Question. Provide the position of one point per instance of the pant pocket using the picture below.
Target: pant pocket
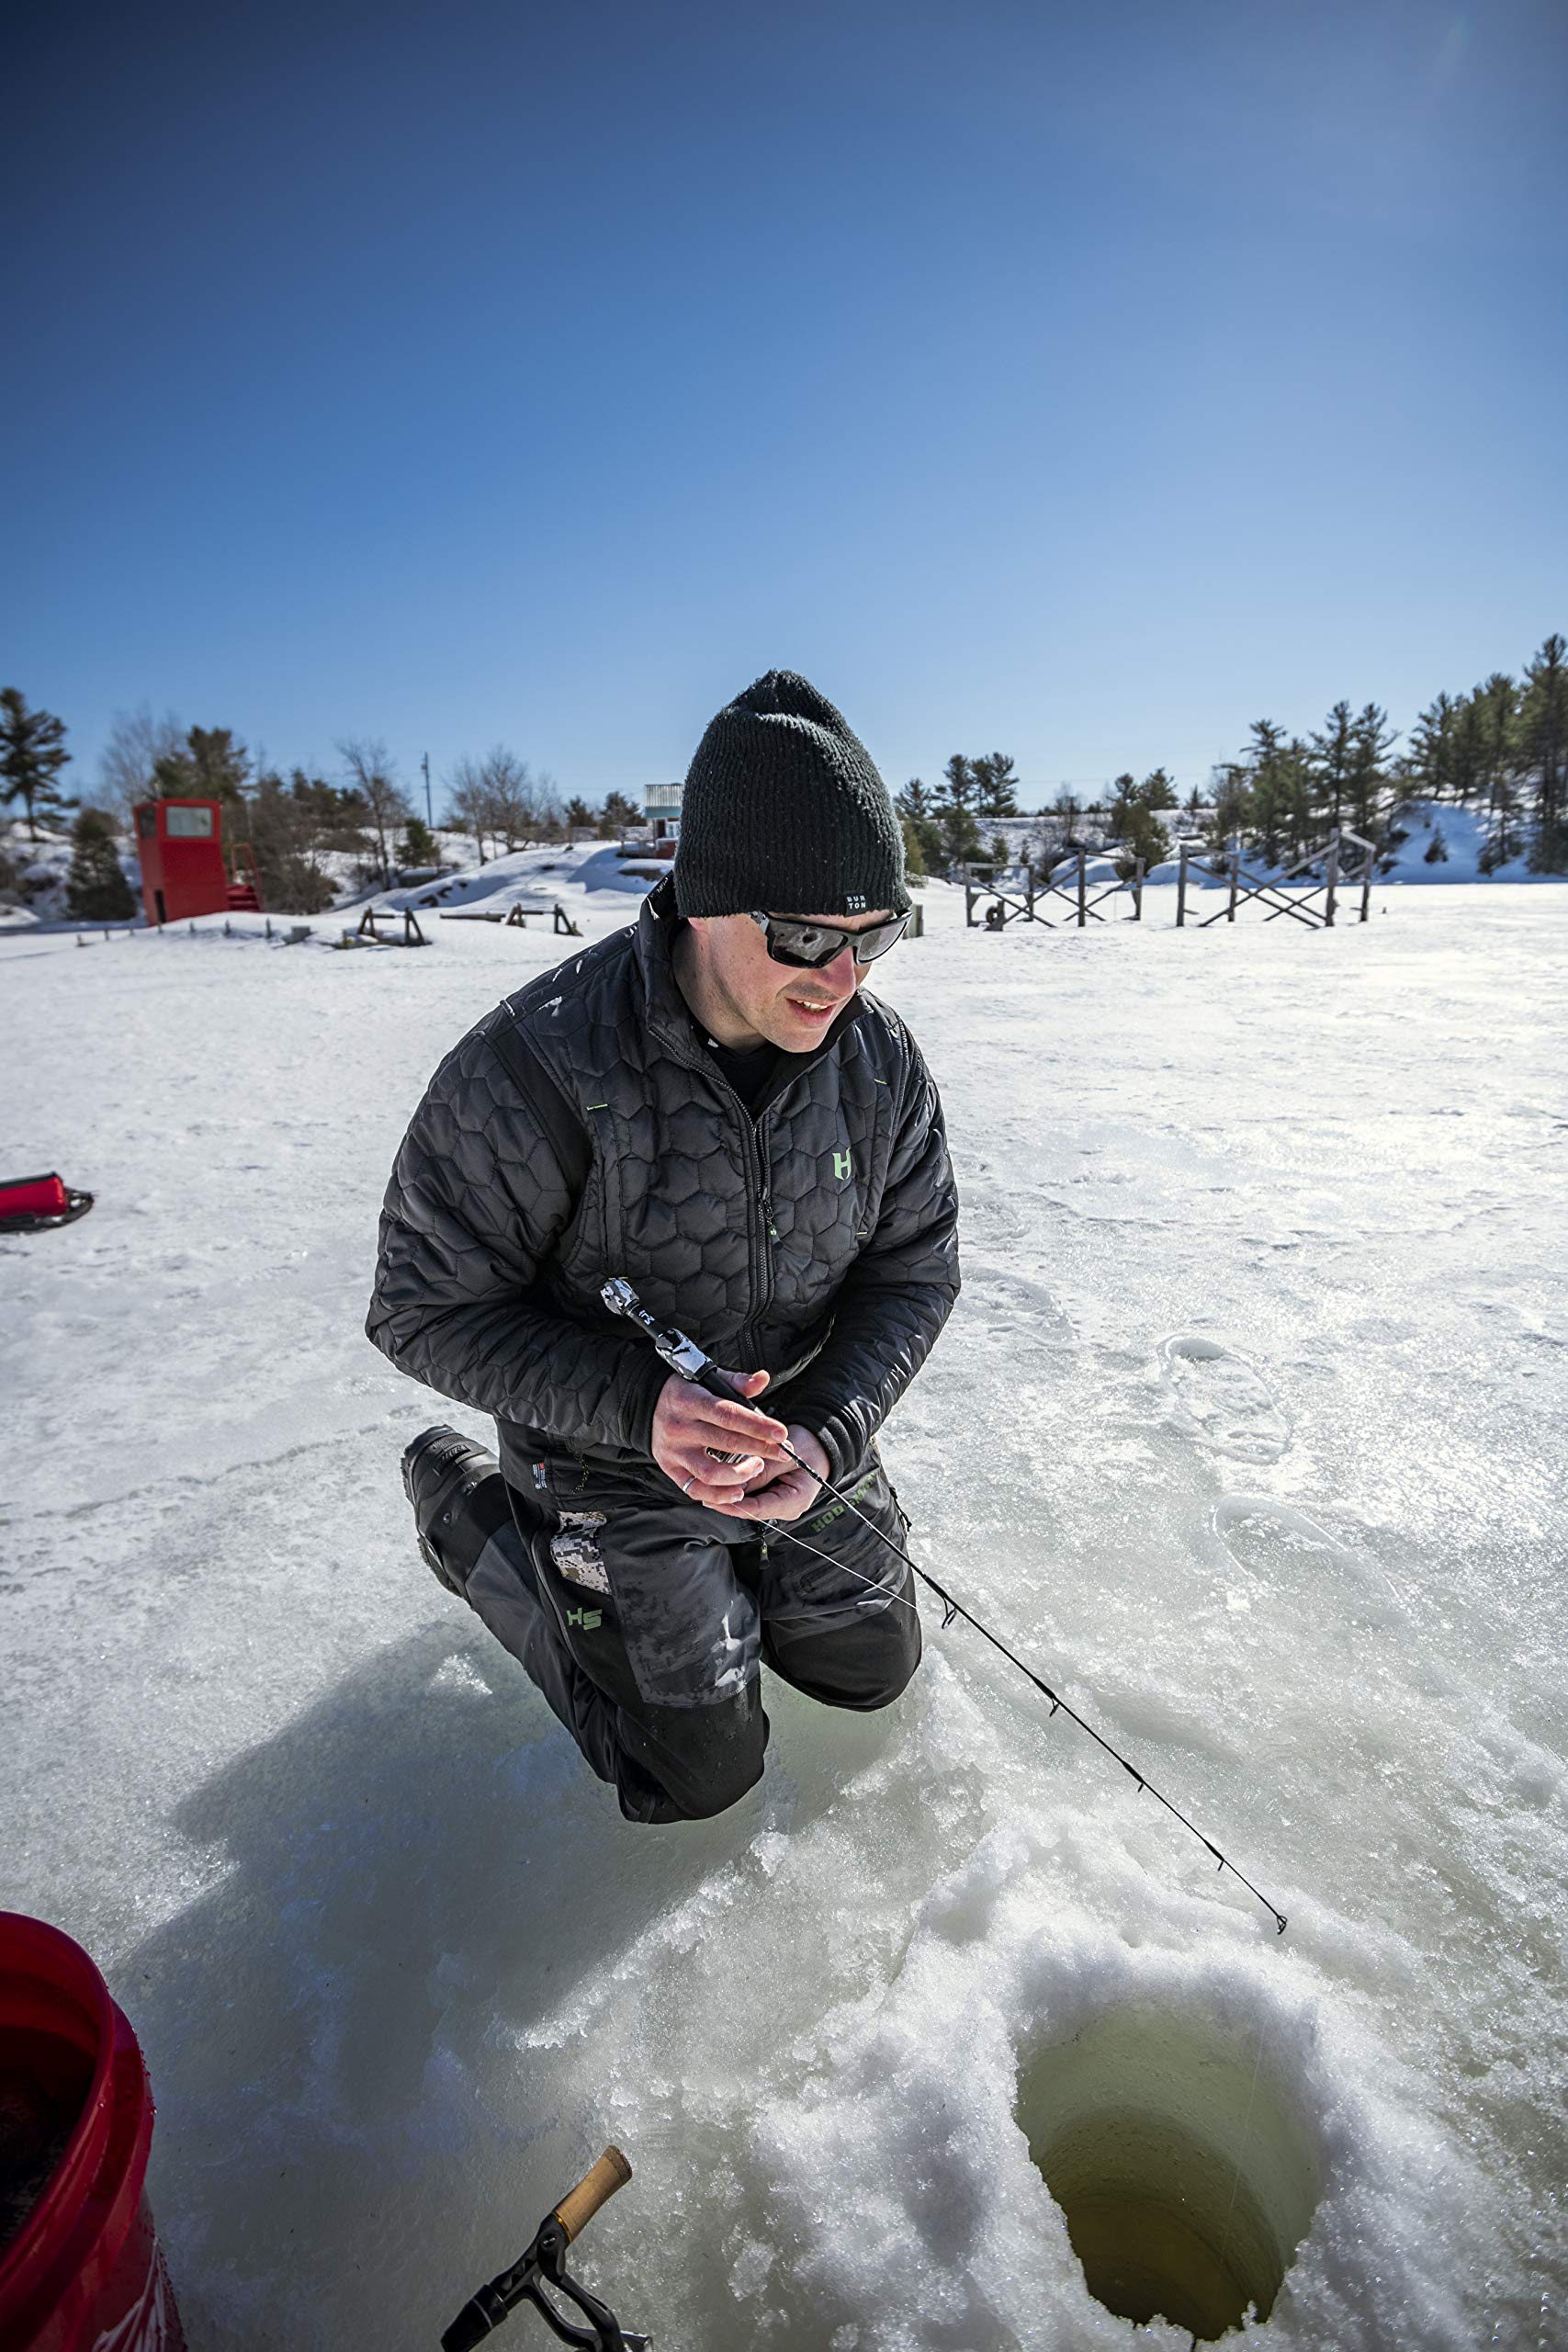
(831, 1569)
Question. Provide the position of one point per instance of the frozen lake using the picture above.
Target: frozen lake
(1249, 1428)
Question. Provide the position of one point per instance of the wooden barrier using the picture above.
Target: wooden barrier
(1009, 906)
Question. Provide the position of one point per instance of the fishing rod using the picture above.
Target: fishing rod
(684, 1357)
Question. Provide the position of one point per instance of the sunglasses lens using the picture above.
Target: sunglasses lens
(809, 945)
(803, 945)
(870, 945)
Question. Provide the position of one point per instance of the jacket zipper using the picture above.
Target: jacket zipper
(759, 1230)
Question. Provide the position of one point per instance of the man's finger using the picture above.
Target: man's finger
(703, 1480)
(785, 1497)
(745, 1466)
(697, 1490)
(734, 1420)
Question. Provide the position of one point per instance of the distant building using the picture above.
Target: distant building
(662, 804)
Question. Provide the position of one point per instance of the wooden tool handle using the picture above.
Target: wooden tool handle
(595, 2189)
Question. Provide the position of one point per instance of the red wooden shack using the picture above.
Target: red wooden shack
(180, 844)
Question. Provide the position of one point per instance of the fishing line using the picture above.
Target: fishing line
(951, 1609)
(686, 1358)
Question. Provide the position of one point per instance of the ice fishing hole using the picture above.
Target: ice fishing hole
(1185, 2183)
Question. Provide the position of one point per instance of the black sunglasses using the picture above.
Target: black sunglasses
(812, 944)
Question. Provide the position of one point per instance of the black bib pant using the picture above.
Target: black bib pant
(645, 1619)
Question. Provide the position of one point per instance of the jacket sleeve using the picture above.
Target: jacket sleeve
(897, 1294)
(487, 1180)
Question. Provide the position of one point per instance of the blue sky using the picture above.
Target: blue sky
(1081, 382)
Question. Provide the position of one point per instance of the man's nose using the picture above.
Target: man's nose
(841, 972)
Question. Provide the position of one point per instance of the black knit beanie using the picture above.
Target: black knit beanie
(784, 811)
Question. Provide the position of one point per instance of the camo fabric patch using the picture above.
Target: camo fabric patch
(575, 1550)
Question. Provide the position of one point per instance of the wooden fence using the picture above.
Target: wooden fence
(1272, 893)
(1023, 905)
(1343, 875)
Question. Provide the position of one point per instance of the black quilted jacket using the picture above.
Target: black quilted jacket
(582, 1131)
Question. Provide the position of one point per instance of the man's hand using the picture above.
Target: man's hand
(687, 1421)
(790, 1492)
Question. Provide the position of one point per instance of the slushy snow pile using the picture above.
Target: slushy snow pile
(1248, 1429)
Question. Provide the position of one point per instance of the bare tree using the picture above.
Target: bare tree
(514, 801)
(469, 797)
(499, 798)
(137, 743)
(551, 817)
(373, 774)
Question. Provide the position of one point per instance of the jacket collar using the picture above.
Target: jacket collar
(667, 1012)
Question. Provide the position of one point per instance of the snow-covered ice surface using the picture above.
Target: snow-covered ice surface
(1249, 1428)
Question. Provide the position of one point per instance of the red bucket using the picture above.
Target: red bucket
(81, 2269)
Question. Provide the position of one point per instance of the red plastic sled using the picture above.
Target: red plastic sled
(30, 1202)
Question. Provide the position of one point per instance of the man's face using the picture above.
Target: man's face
(781, 1003)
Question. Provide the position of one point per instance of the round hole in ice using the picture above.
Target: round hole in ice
(1185, 2184)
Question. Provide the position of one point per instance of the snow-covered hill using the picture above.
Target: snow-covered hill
(1458, 837)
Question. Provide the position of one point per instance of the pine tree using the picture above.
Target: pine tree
(1468, 753)
(1332, 757)
(219, 762)
(917, 812)
(1135, 823)
(32, 753)
(283, 830)
(954, 812)
(1144, 837)
(996, 785)
(1543, 743)
(578, 812)
(1368, 780)
(1298, 795)
(1270, 781)
(96, 888)
(1500, 702)
(619, 813)
(1505, 839)
(1430, 761)
(418, 845)
(1230, 792)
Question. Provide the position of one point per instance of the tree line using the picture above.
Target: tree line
(1501, 750)
(288, 823)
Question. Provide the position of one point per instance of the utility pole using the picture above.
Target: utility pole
(429, 812)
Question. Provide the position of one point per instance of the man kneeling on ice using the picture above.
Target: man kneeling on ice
(708, 1106)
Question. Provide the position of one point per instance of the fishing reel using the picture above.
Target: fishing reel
(544, 2265)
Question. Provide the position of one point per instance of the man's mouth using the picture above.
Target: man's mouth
(811, 1006)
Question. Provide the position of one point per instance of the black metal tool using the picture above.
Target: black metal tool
(685, 1357)
(544, 2265)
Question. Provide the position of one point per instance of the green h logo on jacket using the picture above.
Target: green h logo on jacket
(843, 1166)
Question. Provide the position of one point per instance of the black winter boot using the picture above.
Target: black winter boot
(459, 1501)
